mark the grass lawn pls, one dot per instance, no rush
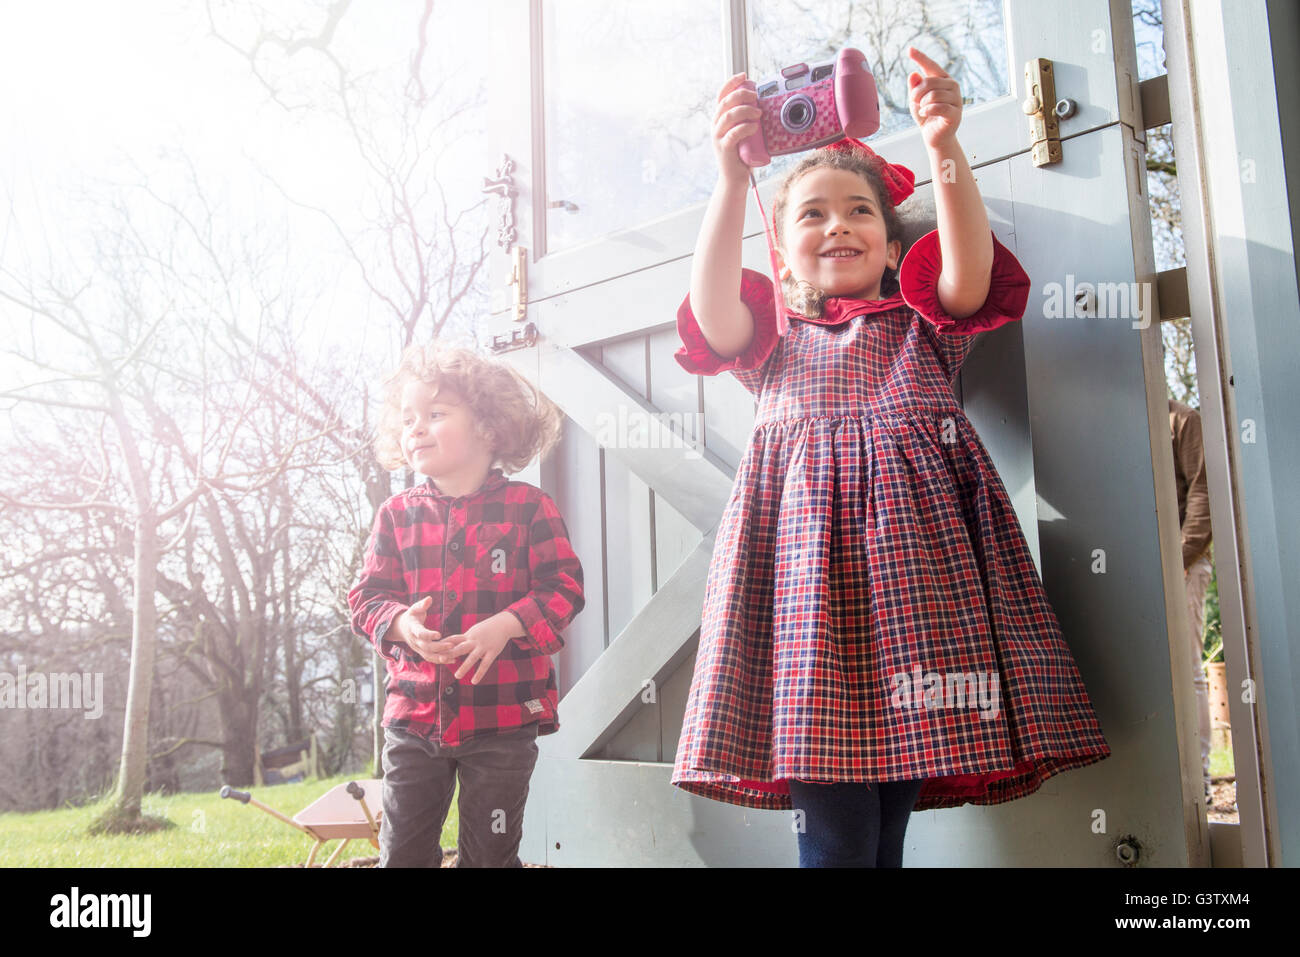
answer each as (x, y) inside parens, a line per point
(209, 832)
(1221, 762)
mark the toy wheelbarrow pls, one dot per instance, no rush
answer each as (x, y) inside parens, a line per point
(341, 812)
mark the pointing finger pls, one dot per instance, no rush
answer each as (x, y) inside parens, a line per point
(928, 66)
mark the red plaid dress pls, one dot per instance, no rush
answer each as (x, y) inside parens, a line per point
(872, 611)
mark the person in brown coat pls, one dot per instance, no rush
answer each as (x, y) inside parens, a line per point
(1194, 520)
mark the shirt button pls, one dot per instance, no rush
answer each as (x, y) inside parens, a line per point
(450, 690)
(455, 546)
(455, 596)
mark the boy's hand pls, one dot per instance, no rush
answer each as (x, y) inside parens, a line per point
(935, 100)
(481, 644)
(408, 627)
(736, 119)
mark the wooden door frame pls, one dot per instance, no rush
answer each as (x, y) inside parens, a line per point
(659, 637)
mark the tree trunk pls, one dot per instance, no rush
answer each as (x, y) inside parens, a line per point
(135, 734)
(240, 737)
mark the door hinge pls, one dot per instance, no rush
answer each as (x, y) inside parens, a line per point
(1041, 107)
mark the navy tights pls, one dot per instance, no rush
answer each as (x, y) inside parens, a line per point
(851, 825)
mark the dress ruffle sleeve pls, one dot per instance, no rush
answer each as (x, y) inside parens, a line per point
(696, 355)
(1008, 288)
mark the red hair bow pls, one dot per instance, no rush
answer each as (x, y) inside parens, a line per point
(899, 180)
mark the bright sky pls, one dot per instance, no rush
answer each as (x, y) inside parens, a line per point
(83, 80)
(91, 90)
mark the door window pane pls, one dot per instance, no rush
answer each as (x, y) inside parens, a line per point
(630, 91)
(965, 37)
(1148, 37)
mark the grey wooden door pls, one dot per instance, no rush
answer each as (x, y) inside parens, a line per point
(604, 110)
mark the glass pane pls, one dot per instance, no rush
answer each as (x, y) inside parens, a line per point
(965, 37)
(630, 90)
(1148, 36)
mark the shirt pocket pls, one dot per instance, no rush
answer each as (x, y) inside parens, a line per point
(497, 553)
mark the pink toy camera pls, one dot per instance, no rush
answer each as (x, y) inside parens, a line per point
(809, 106)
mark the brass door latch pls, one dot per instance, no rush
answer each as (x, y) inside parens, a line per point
(1042, 109)
(519, 279)
(503, 185)
(524, 338)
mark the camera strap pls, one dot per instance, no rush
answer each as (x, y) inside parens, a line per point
(782, 317)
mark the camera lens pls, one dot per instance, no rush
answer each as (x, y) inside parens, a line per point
(798, 113)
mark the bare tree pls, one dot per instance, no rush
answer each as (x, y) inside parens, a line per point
(421, 255)
(64, 608)
(130, 350)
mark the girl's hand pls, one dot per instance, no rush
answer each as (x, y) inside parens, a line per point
(736, 119)
(935, 101)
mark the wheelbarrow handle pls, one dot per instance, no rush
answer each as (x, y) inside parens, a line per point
(359, 793)
(243, 797)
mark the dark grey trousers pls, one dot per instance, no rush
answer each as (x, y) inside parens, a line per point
(419, 779)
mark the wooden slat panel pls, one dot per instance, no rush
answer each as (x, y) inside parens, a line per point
(672, 388)
(638, 740)
(628, 549)
(652, 646)
(675, 538)
(628, 530)
(672, 704)
(728, 417)
(577, 475)
(626, 360)
(697, 487)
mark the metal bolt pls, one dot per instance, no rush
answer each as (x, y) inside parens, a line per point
(1066, 108)
(1127, 853)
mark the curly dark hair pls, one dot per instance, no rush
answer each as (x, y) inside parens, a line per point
(508, 411)
(801, 296)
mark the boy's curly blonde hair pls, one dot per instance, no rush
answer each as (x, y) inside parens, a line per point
(803, 297)
(508, 411)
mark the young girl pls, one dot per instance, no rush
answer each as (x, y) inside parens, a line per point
(875, 635)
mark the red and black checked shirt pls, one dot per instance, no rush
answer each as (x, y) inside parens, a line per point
(503, 548)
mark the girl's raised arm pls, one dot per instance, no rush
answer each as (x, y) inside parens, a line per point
(726, 322)
(964, 237)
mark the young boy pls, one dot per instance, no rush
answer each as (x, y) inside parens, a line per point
(469, 578)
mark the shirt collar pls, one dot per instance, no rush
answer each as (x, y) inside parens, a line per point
(841, 309)
(495, 480)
